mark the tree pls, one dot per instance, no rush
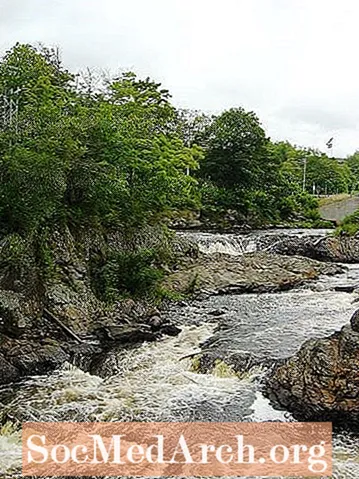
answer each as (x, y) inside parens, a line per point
(192, 125)
(236, 150)
(326, 175)
(36, 142)
(110, 157)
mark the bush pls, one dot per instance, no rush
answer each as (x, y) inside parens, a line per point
(123, 274)
(350, 225)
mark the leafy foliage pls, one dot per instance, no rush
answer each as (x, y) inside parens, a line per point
(102, 158)
(236, 150)
(111, 158)
(246, 174)
(128, 274)
(350, 225)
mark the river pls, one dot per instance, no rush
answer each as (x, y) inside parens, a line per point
(154, 382)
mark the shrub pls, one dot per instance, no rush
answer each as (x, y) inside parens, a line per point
(350, 225)
(124, 274)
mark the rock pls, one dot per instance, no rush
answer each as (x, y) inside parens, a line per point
(8, 372)
(354, 322)
(125, 334)
(346, 288)
(239, 363)
(203, 295)
(155, 322)
(14, 313)
(170, 330)
(217, 312)
(342, 249)
(35, 358)
(250, 273)
(182, 304)
(321, 381)
(153, 312)
(68, 307)
(19, 358)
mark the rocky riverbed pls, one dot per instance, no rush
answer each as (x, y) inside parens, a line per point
(40, 331)
(216, 368)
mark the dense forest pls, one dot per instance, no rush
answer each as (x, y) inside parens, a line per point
(84, 151)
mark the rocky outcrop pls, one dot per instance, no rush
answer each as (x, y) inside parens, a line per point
(49, 346)
(340, 249)
(238, 363)
(321, 381)
(257, 272)
(48, 320)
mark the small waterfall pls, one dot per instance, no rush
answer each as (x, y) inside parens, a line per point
(236, 244)
(231, 244)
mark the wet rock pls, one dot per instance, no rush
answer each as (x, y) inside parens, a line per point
(217, 312)
(239, 363)
(153, 312)
(354, 321)
(321, 381)
(155, 322)
(182, 304)
(170, 330)
(125, 334)
(32, 358)
(82, 355)
(8, 372)
(203, 295)
(19, 358)
(340, 249)
(346, 288)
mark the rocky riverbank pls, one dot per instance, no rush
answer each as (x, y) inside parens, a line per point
(46, 320)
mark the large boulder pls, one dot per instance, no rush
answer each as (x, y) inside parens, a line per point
(19, 358)
(321, 381)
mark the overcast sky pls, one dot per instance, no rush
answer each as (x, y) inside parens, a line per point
(294, 62)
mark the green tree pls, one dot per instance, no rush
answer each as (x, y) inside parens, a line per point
(112, 156)
(236, 151)
(192, 126)
(326, 176)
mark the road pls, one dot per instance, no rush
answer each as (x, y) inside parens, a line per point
(337, 208)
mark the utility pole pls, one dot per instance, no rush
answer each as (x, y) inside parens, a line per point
(304, 172)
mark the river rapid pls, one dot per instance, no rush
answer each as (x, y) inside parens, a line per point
(156, 381)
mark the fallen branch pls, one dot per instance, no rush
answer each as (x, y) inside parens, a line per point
(62, 325)
(190, 355)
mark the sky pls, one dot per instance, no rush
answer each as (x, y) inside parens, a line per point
(293, 62)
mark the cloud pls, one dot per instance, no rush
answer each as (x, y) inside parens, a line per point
(293, 62)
